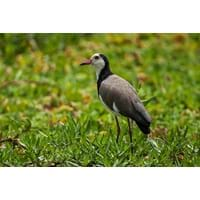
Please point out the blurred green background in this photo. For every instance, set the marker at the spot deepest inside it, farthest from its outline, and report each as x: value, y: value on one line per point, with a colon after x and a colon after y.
x: 50, y: 114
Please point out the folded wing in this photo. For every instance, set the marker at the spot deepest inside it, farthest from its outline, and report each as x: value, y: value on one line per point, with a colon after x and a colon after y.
x: 118, y: 92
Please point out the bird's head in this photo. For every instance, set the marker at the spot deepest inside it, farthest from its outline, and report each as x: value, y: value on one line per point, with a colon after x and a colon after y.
x: 98, y: 61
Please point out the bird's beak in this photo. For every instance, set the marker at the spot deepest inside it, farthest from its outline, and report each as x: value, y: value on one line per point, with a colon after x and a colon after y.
x: 87, y: 62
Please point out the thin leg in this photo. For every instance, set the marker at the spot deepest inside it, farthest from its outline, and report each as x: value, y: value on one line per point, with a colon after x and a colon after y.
x: 118, y: 129
x: 131, y: 121
x: 130, y: 134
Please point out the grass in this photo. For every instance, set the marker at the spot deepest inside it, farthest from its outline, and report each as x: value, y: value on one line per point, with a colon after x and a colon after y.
x: 50, y: 114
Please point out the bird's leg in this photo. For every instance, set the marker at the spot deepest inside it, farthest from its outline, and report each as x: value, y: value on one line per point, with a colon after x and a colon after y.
x: 118, y: 129
x: 131, y: 121
x: 130, y: 134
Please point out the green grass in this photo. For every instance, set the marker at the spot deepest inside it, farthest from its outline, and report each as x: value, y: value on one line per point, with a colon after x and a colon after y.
x: 50, y: 114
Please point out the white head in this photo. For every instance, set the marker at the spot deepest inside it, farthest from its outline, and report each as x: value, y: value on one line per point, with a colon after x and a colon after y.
x: 98, y: 61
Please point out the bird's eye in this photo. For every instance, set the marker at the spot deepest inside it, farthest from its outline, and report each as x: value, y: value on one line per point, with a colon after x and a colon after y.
x: 96, y: 57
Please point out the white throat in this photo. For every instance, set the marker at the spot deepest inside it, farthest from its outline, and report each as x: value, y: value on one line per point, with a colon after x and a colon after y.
x: 98, y: 63
x: 98, y: 71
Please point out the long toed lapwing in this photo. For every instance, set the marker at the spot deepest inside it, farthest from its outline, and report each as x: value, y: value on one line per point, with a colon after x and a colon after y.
x: 119, y: 96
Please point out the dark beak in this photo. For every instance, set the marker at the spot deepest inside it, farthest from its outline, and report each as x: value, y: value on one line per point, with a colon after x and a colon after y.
x: 87, y: 62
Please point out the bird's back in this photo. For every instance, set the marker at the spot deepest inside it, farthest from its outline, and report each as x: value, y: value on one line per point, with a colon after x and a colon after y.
x: 121, y: 97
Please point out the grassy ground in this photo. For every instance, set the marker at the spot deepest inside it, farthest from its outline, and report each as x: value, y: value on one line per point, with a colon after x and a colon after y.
x: 50, y: 114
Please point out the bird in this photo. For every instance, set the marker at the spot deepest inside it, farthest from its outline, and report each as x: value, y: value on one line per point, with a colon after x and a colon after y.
x: 119, y: 96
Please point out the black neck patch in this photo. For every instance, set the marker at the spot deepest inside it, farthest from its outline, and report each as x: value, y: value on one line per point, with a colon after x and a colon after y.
x: 105, y: 72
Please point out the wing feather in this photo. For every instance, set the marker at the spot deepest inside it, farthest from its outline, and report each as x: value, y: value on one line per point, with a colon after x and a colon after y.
x: 116, y: 90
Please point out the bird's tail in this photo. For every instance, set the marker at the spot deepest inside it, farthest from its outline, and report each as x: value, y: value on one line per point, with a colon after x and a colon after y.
x: 144, y: 128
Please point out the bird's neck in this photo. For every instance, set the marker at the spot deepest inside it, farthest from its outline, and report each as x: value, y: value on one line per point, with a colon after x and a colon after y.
x: 102, y: 75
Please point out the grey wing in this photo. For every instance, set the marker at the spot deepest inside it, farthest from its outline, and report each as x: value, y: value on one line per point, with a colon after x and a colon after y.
x: 140, y: 114
x: 126, y: 100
